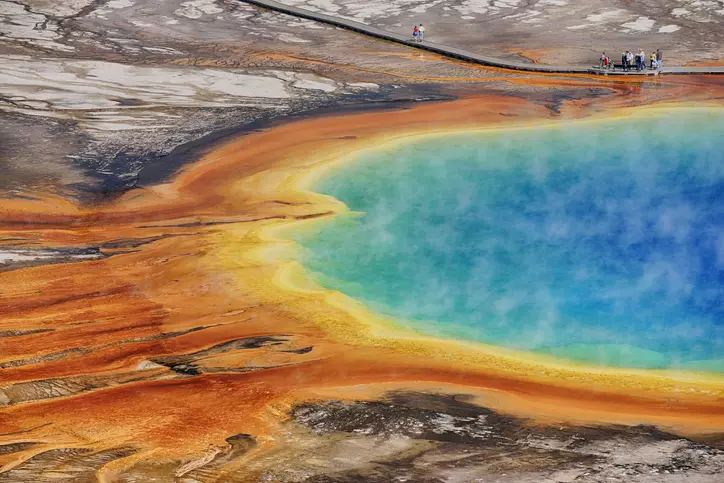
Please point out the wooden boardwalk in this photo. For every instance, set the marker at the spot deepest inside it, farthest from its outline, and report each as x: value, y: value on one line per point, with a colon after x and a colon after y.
x: 460, y: 54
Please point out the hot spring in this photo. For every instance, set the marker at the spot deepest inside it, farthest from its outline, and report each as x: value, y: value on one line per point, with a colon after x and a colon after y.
x: 599, y: 242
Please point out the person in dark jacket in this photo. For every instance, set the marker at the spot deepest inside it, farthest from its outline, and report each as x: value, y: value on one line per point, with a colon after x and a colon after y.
x: 659, y: 58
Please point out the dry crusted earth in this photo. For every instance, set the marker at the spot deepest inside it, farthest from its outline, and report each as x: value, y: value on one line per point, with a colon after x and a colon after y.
x: 100, y: 96
x: 550, y: 31
x: 92, y: 91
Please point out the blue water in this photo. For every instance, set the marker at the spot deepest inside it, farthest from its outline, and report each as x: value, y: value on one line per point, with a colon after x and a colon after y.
x: 595, y: 242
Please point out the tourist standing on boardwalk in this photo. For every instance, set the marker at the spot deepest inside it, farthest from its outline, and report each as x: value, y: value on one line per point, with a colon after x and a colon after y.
x: 630, y: 58
x: 659, y: 58
x: 420, y: 33
x: 652, y: 58
x: 642, y: 56
x: 415, y: 33
x: 624, y: 60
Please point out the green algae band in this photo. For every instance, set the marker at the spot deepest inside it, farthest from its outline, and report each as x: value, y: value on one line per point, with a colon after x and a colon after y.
x: 600, y: 242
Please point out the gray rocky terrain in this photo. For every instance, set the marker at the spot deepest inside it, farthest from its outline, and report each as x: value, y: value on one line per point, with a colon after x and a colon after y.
x: 90, y: 92
x: 555, y: 31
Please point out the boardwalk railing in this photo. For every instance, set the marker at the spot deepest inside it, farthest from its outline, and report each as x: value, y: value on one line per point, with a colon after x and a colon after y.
x: 461, y: 54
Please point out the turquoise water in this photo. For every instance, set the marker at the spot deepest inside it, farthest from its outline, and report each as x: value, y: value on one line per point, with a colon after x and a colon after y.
x: 596, y: 242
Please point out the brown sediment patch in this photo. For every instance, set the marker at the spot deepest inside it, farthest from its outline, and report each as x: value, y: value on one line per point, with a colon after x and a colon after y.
x: 184, y: 341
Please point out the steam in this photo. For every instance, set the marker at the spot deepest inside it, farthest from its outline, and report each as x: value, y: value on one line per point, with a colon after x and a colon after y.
x: 600, y: 242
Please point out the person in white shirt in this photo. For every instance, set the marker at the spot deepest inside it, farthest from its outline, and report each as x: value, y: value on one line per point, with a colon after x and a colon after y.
x: 420, y: 33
